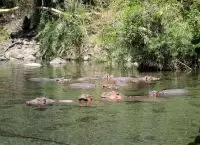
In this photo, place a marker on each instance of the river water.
(173, 121)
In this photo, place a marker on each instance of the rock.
(22, 49)
(14, 53)
(3, 58)
(58, 61)
(32, 65)
(87, 57)
(29, 58)
(13, 59)
(135, 64)
(18, 56)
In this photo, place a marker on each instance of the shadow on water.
(40, 108)
(87, 119)
(196, 140)
(11, 134)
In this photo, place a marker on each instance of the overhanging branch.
(55, 11)
(8, 10)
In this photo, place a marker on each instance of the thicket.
(159, 35)
(65, 35)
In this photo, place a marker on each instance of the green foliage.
(4, 35)
(61, 37)
(157, 31)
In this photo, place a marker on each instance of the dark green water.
(174, 121)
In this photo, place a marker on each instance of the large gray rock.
(30, 58)
(33, 65)
(3, 58)
(58, 61)
(22, 49)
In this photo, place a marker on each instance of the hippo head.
(113, 96)
(150, 78)
(154, 93)
(85, 98)
(89, 100)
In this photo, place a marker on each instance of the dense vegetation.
(159, 35)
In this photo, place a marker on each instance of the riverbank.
(155, 36)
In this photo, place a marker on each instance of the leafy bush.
(61, 37)
(158, 32)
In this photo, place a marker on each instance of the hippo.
(83, 100)
(123, 81)
(109, 86)
(83, 85)
(42, 101)
(169, 93)
(111, 96)
(146, 79)
(141, 99)
(60, 80)
(86, 79)
(116, 96)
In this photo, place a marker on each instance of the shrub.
(61, 37)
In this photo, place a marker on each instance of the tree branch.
(183, 64)
(8, 10)
(55, 11)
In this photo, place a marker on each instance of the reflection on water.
(174, 121)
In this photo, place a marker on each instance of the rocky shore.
(20, 49)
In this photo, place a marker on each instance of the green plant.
(61, 37)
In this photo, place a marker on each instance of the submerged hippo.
(168, 93)
(86, 79)
(40, 101)
(147, 79)
(112, 96)
(116, 96)
(61, 80)
(83, 100)
(112, 82)
(83, 85)
(141, 99)
(122, 79)
(157, 95)
(109, 86)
